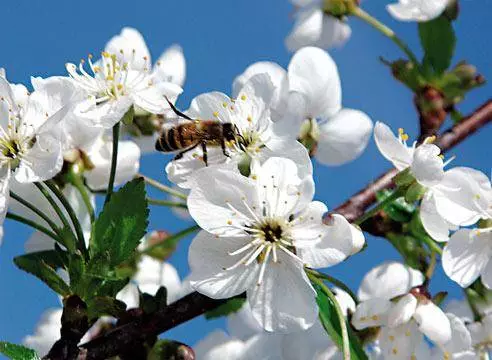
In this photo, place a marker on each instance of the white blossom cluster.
(261, 231)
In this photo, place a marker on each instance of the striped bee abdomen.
(177, 138)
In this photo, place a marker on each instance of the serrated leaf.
(122, 223)
(51, 257)
(331, 324)
(438, 41)
(17, 352)
(229, 307)
(44, 272)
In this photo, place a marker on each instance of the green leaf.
(105, 305)
(230, 306)
(52, 258)
(399, 210)
(17, 352)
(331, 324)
(122, 223)
(438, 41)
(39, 268)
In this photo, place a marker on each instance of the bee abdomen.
(167, 141)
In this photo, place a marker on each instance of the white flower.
(47, 332)
(30, 149)
(258, 137)
(460, 344)
(120, 79)
(481, 333)
(219, 345)
(453, 198)
(467, 256)
(100, 153)
(150, 276)
(417, 10)
(314, 26)
(259, 234)
(404, 321)
(310, 91)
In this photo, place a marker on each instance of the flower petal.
(402, 342)
(466, 255)
(370, 313)
(314, 74)
(334, 32)
(285, 301)
(391, 148)
(433, 322)
(427, 166)
(218, 345)
(487, 275)
(434, 224)
(171, 66)
(129, 47)
(389, 280)
(460, 336)
(307, 29)
(339, 240)
(208, 258)
(402, 311)
(343, 137)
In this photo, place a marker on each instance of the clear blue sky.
(221, 38)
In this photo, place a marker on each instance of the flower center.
(272, 232)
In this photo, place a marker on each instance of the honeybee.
(187, 136)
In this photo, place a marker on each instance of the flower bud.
(405, 72)
(339, 8)
(432, 108)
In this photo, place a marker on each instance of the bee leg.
(205, 154)
(180, 155)
(223, 146)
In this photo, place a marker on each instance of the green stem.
(114, 161)
(341, 317)
(159, 186)
(167, 203)
(395, 195)
(335, 282)
(172, 239)
(35, 210)
(361, 14)
(431, 244)
(34, 225)
(54, 205)
(469, 297)
(71, 213)
(77, 182)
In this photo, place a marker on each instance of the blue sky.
(221, 38)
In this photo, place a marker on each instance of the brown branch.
(354, 207)
(124, 337)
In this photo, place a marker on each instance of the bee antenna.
(176, 111)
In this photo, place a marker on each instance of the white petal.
(417, 10)
(210, 106)
(263, 346)
(466, 256)
(152, 274)
(346, 302)
(4, 192)
(343, 137)
(285, 301)
(208, 258)
(434, 224)
(104, 115)
(433, 322)
(487, 275)
(307, 29)
(130, 296)
(339, 241)
(391, 148)
(129, 46)
(389, 280)
(210, 208)
(242, 323)
(400, 343)
(153, 98)
(307, 344)
(372, 312)
(334, 32)
(127, 165)
(43, 161)
(460, 336)
(278, 77)
(427, 166)
(402, 311)
(171, 66)
(218, 345)
(290, 149)
(314, 74)
(460, 308)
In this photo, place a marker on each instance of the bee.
(187, 136)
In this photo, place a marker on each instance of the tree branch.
(125, 336)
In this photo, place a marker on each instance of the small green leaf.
(52, 258)
(438, 41)
(331, 324)
(399, 210)
(44, 272)
(17, 352)
(230, 306)
(105, 305)
(122, 223)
